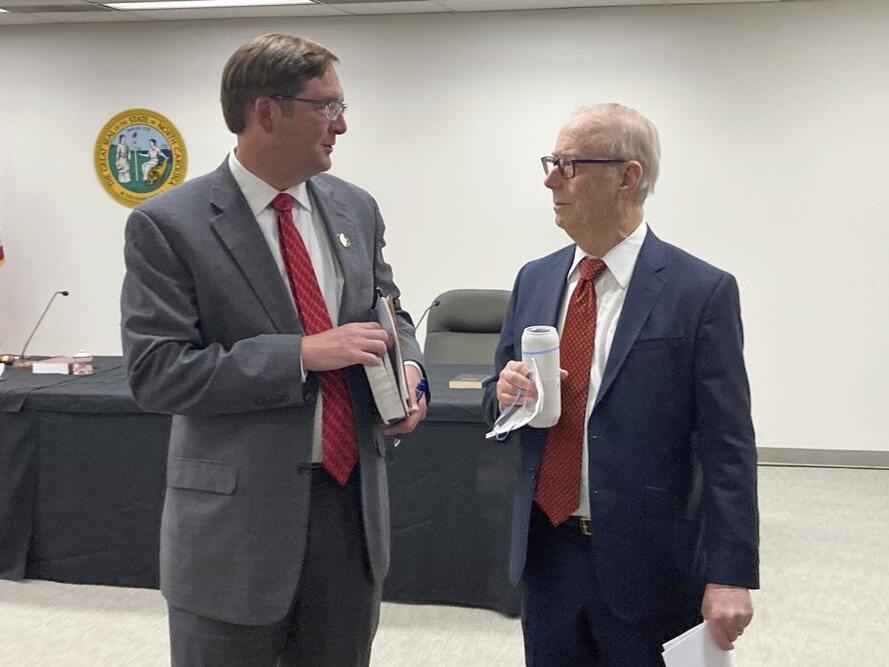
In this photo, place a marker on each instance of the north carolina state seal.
(139, 154)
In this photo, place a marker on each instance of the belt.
(579, 523)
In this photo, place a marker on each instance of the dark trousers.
(566, 621)
(335, 611)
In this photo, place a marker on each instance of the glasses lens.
(548, 164)
(334, 110)
(566, 168)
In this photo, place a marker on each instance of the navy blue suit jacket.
(672, 460)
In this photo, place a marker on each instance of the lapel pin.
(344, 240)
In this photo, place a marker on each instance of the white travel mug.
(541, 343)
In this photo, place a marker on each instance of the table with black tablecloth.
(82, 483)
(451, 493)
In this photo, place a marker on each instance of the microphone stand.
(22, 361)
(432, 305)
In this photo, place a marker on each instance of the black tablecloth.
(451, 499)
(82, 482)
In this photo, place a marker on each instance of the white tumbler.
(541, 343)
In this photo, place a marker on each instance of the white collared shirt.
(611, 291)
(308, 222)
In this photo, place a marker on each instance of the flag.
(2, 256)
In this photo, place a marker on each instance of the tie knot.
(591, 268)
(283, 202)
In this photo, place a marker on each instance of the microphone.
(22, 362)
(432, 305)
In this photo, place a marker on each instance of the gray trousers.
(335, 611)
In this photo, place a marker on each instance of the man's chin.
(326, 163)
(565, 225)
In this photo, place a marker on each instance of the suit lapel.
(343, 237)
(644, 288)
(236, 226)
(553, 284)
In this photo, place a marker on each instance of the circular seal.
(138, 154)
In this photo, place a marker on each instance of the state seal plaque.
(139, 154)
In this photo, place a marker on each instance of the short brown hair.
(271, 64)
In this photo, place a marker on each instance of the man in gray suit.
(245, 313)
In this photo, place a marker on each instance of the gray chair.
(465, 327)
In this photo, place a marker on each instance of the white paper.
(679, 638)
(696, 648)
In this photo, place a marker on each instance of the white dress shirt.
(308, 222)
(611, 290)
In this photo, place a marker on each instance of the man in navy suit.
(635, 515)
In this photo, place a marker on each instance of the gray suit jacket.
(211, 336)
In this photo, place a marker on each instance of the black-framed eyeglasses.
(565, 165)
(331, 108)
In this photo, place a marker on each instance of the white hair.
(632, 137)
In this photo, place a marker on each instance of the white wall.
(772, 118)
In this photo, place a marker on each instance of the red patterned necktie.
(339, 448)
(558, 483)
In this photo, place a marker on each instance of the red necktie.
(339, 448)
(558, 483)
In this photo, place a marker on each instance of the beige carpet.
(824, 603)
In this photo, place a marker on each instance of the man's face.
(307, 136)
(587, 203)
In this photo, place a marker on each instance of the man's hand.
(514, 381)
(355, 343)
(418, 409)
(727, 610)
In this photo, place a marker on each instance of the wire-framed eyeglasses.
(331, 108)
(565, 165)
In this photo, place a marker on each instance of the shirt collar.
(260, 194)
(620, 260)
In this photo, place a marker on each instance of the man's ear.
(261, 113)
(631, 179)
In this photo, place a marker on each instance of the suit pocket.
(202, 475)
(659, 343)
(663, 504)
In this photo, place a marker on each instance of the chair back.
(465, 327)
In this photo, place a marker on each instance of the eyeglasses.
(331, 108)
(565, 165)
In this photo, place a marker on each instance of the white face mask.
(516, 416)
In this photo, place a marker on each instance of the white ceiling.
(21, 12)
